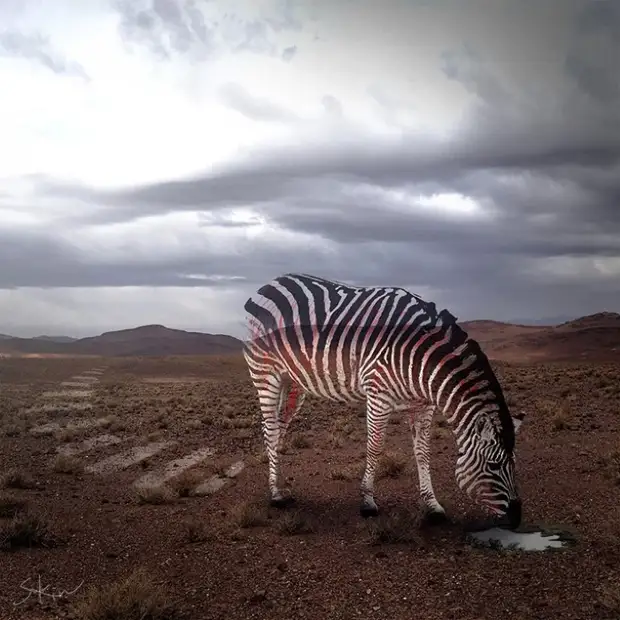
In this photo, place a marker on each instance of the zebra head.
(485, 470)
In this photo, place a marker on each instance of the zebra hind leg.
(420, 425)
(377, 416)
(271, 396)
(290, 405)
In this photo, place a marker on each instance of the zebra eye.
(494, 465)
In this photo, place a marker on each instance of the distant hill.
(55, 338)
(144, 340)
(592, 337)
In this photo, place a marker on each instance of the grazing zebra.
(393, 350)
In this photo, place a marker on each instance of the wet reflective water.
(525, 541)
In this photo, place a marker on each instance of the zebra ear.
(517, 420)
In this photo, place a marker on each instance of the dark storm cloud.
(545, 173)
(592, 58)
(38, 48)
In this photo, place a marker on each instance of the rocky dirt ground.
(83, 536)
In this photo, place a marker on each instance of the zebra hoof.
(368, 511)
(282, 502)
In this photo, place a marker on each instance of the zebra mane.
(502, 420)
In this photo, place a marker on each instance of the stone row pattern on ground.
(74, 397)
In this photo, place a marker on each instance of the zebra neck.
(463, 417)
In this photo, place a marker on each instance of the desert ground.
(136, 488)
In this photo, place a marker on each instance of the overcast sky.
(162, 159)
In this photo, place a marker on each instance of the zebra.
(391, 349)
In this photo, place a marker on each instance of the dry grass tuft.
(391, 466)
(196, 532)
(351, 472)
(294, 523)
(610, 596)
(300, 441)
(65, 435)
(15, 479)
(250, 514)
(67, 464)
(559, 422)
(26, 530)
(399, 527)
(184, 484)
(155, 494)
(612, 466)
(136, 597)
(11, 506)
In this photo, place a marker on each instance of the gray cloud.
(166, 27)
(592, 57)
(170, 27)
(255, 108)
(289, 53)
(542, 166)
(37, 48)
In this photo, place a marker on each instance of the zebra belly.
(326, 382)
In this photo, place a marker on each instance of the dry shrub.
(610, 595)
(242, 422)
(155, 494)
(391, 466)
(11, 506)
(559, 422)
(15, 479)
(250, 514)
(67, 464)
(351, 472)
(186, 482)
(26, 530)
(65, 435)
(136, 597)
(399, 527)
(336, 440)
(294, 523)
(612, 466)
(196, 532)
(300, 441)
(14, 430)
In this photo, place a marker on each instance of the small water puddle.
(522, 539)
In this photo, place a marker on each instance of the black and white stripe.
(393, 350)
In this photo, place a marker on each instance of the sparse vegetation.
(26, 530)
(399, 527)
(11, 506)
(155, 494)
(16, 479)
(216, 553)
(301, 441)
(295, 522)
(196, 532)
(67, 464)
(250, 514)
(391, 466)
(137, 597)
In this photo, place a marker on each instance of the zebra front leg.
(420, 425)
(271, 396)
(377, 415)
